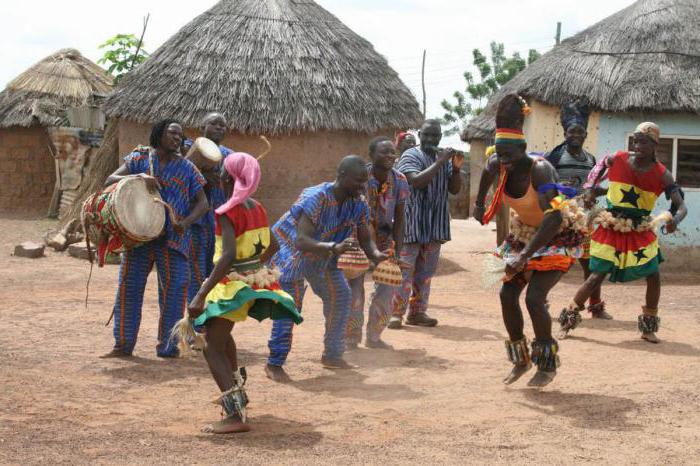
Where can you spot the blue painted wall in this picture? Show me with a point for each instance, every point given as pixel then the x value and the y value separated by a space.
pixel 612 136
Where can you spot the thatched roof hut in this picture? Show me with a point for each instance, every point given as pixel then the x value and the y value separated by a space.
pixel 283 68
pixel 640 64
pixel 276 66
pixel 40 98
pixel 42 94
pixel 645 57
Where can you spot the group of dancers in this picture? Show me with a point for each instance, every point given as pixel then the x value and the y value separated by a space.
pixel 550 195
pixel 221 260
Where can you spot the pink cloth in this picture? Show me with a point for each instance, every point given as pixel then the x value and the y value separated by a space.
pixel 594 176
pixel 245 171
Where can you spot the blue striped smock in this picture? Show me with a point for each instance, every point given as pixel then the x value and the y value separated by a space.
pixel 427 209
pixel 334 223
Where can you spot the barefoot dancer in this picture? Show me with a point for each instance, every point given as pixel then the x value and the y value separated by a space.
pixel 315 231
pixel 180 185
pixel 238 287
pixel 537 253
pixel 202 238
pixel 386 194
pixel 573 164
pixel 624 245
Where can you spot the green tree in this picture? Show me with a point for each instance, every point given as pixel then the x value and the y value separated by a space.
pixel 493 72
pixel 123 52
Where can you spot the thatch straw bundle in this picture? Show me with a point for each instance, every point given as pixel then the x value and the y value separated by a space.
pixel 45 91
pixel 645 57
pixel 274 67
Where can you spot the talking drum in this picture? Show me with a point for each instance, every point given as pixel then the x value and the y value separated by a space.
pixel 123 216
pixel 204 153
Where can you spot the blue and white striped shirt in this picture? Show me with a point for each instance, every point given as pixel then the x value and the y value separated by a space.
pixel 427 209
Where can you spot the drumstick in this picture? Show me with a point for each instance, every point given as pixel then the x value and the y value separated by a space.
pixel 171 211
pixel 266 151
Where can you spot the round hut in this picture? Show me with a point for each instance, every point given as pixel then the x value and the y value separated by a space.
pixel 285 69
pixel 36 101
pixel 640 64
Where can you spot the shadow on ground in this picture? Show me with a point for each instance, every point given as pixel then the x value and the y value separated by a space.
pixel 585 410
pixel 271 433
pixel 456 333
pixel 352 384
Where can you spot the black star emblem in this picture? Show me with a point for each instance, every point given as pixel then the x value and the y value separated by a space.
pixel 259 248
pixel 640 255
pixel 630 197
pixel 617 255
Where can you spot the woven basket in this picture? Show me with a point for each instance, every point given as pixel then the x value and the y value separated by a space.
pixel 354 261
pixel 388 273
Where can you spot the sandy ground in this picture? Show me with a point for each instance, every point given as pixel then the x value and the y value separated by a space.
pixel 436 399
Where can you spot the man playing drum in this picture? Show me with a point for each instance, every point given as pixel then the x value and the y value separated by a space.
pixel 202 238
pixel 180 185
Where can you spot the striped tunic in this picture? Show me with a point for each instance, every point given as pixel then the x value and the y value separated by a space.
pixel 574 172
pixel 427 209
pixel 180 182
pixel 334 223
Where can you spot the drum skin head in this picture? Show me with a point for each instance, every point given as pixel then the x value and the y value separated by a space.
pixel 136 212
pixel 204 152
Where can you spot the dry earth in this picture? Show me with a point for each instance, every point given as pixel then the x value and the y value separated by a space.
pixel 437 399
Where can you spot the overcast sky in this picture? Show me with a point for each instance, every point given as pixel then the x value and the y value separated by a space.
pixel 399 30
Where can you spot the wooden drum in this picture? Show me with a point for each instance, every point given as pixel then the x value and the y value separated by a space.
pixel 204 153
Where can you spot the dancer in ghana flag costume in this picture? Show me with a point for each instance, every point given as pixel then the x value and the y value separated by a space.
pixel 544 243
pixel 624 245
pixel 202 239
pixel 238 287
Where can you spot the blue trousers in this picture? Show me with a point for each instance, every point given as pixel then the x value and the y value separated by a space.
pixel 173 278
pixel 201 257
pixel 333 289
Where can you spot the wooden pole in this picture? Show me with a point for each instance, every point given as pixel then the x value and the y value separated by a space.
pixel 422 78
pixel 138 48
pixel 558 36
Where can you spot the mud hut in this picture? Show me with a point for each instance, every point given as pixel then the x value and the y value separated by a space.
pixel 33 107
pixel 640 64
pixel 286 69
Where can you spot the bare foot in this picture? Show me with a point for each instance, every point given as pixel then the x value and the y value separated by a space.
pixel 516 373
pixel 378 344
pixel 541 379
pixel 276 373
pixel 650 337
pixel 115 353
pixel 231 425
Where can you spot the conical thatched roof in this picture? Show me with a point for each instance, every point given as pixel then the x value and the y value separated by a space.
pixel 45 91
pixel 643 58
pixel 273 66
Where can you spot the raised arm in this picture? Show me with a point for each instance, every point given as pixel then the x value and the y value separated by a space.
pixel 420 180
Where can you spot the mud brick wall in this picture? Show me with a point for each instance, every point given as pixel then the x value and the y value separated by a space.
pixel 296 161
pixel 27 173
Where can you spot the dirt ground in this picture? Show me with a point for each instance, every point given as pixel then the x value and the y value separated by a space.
pixel 436 399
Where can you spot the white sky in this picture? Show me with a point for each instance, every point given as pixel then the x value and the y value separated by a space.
pixel 399 30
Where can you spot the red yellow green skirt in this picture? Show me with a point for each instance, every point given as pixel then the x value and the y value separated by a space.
pixel 625 256
pixel 235 300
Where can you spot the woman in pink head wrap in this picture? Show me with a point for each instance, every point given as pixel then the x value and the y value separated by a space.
pixel 239 286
